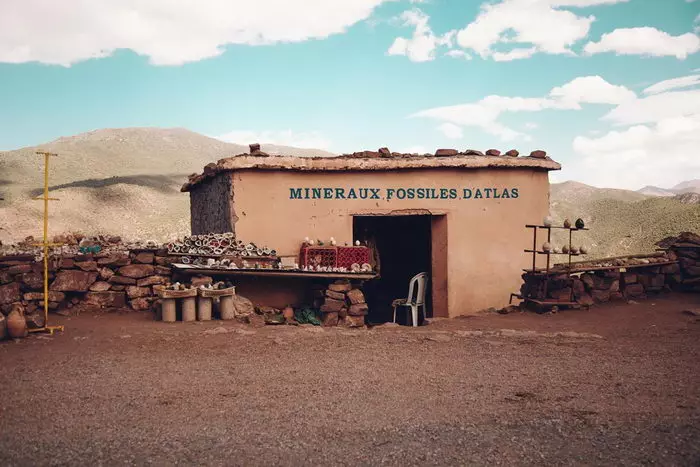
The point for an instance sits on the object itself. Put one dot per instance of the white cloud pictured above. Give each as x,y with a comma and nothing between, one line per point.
592,90
456,53
645,41
451,130
655,108
484,114
539,23
313,140
532,125
659,154
675,83
422,45
169,33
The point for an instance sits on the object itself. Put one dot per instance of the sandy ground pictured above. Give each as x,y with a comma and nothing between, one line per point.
618,385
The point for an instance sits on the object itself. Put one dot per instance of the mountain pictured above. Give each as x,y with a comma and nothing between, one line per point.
621,222
655,191
689,186
124,180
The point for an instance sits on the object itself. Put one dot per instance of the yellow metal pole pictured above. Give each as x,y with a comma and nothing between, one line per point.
45,243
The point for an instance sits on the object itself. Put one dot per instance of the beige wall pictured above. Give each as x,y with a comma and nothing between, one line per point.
486,237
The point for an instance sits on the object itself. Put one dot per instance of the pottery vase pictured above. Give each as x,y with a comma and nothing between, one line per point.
16,324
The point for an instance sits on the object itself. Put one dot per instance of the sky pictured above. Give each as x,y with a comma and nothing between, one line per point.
609,88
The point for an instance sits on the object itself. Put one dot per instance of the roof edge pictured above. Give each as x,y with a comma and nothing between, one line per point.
339,164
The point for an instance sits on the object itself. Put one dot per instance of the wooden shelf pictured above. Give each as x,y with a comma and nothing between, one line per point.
565,270
190,269
551,302
551,253
531,226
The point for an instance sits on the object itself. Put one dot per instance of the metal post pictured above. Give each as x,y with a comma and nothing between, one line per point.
45,243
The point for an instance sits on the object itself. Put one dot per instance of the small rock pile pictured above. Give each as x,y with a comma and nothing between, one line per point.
341,304
386,154
686,247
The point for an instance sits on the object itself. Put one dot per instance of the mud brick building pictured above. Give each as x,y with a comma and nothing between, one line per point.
458,216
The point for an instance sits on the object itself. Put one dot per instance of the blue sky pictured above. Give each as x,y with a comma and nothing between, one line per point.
610,88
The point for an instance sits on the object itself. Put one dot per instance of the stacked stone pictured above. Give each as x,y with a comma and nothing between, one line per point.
114,279
687,248
604,285
341,305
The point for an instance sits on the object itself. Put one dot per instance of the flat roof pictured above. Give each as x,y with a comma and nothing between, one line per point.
347,163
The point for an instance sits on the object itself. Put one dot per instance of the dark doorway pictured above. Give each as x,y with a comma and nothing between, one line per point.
404,247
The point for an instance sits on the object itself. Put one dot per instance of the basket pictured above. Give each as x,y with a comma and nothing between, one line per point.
325,256
349,255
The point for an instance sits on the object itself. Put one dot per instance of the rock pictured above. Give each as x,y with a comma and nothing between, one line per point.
331,305
355,296
32,280
600,296
140,304
578,287
614,286
360,309
196,281
538,154
255,147
136,271
689,311
512,153
122,280
162,270
658,280
133,291
106,274
87,265
152,280
165,260
446,152
588,281
633,290
329,319
100,286
493,152
19,269
629,278
73,281
343,313
354,321
3,327
66,263
384,152
5,278
242,306
340,287
585,300
616,296
35,320
114,260
144,258
9,293
53,296
335,295
109,299
509,309
671,269
693,270
473,152
118,287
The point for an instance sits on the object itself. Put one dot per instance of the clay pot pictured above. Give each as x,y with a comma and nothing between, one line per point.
565,249
288,313
547,247
567,223
583,250
16,324
547,222
579,223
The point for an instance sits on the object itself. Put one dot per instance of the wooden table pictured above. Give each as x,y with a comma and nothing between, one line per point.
191,270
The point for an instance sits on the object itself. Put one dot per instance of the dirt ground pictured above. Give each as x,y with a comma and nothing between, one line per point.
613,385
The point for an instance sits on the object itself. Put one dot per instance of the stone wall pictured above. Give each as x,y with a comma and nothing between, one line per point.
115,279
341,304
210,206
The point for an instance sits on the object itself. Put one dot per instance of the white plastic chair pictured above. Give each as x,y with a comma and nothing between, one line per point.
416,287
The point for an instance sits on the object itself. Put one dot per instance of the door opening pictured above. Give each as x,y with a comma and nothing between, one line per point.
404,246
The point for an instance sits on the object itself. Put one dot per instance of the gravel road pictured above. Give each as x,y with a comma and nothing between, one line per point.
615,385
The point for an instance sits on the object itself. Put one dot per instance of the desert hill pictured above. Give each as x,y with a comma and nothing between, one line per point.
689,186
112,180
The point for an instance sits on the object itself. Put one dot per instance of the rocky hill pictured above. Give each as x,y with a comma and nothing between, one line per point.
124,180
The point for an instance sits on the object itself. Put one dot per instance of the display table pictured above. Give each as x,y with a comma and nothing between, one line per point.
190,269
